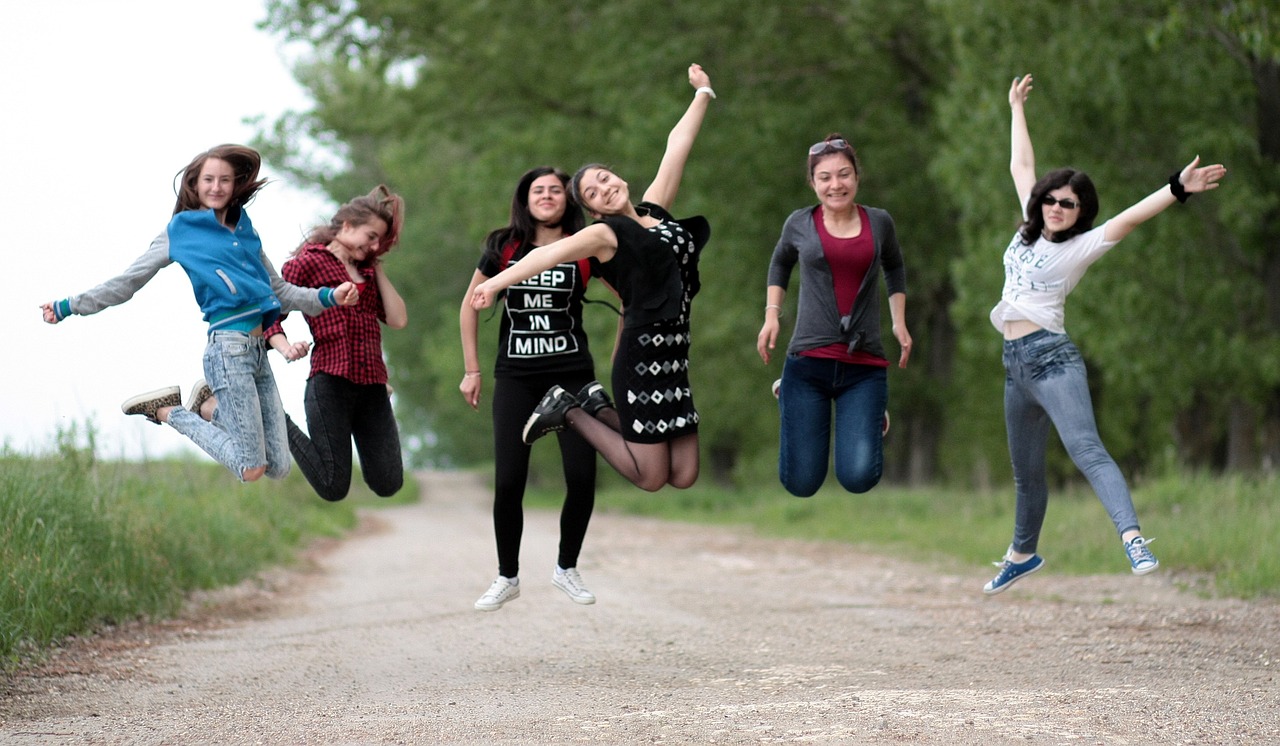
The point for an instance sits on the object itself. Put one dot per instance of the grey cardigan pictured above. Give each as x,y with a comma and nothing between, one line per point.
817,317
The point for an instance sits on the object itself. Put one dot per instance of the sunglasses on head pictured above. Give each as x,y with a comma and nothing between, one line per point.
1066,204
819,148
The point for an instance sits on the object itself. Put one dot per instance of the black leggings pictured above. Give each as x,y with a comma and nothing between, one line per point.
513,402
337,411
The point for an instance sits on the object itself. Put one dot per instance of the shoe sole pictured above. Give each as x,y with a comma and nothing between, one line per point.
197,400
499,605
1147,570
529,423
169,396
1020,576
573,598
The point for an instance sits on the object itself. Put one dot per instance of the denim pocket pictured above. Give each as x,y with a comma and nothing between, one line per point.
1052,356
235,349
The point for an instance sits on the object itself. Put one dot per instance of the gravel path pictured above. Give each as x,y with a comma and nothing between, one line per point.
701,635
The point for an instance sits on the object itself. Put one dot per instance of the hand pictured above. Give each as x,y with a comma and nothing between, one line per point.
1196,178
296,351
346,294
470,388
1020,90
904,341
698,77
767,339
50,317
482,297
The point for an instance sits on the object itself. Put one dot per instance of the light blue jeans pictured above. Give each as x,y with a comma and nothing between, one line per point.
248,428
810,386
1046,384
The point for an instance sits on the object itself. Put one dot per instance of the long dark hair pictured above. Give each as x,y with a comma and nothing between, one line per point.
245,161
380,203
521,227
1033,228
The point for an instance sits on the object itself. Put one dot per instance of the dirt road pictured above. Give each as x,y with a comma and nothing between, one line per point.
700,636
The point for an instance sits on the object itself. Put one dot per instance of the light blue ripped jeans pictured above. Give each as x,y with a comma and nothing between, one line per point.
248,428
1045,383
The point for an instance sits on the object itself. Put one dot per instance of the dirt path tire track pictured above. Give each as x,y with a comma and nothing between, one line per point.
701,635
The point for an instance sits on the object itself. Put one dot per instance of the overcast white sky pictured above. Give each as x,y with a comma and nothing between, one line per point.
103,102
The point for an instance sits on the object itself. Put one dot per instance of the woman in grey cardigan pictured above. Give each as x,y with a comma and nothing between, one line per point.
835,355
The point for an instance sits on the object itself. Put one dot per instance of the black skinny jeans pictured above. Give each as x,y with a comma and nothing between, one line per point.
513,402
338,411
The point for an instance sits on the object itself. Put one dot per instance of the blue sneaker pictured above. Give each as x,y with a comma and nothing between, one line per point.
1010,572
1141,560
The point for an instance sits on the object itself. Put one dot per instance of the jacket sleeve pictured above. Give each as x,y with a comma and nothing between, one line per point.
121,288
785,254
294,297
891,262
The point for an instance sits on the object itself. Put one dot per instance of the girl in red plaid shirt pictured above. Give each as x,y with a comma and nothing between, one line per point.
347,396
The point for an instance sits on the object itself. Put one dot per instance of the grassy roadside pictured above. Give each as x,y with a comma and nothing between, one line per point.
85,543
1220,532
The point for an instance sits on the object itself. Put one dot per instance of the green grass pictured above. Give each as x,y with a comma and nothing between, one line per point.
85,543
1223,529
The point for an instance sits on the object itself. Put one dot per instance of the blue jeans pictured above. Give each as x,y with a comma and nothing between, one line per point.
809,387
1045,383
248,427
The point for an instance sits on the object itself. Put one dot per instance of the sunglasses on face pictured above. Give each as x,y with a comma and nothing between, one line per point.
819,148
1066,204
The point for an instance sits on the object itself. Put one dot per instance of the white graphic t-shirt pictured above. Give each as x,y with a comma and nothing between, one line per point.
1039,276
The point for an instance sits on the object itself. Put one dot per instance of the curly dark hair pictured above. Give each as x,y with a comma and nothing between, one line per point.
1033,227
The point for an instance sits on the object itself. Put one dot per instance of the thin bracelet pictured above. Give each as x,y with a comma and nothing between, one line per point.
471,374
774,305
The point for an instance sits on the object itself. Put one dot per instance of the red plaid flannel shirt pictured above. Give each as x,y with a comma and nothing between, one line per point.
347,339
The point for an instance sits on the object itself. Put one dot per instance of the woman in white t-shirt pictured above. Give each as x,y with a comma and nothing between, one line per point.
1045,382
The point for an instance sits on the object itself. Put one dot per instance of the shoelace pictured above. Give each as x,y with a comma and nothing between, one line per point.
1138,552
573,580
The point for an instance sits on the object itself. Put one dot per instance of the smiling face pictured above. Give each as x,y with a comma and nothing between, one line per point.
603,193
215,185
547,199
835,181
361,241
1058,218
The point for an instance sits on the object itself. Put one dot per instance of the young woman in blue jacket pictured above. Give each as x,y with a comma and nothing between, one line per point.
239,292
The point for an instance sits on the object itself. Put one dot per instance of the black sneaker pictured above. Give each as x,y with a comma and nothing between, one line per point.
593,398
548,416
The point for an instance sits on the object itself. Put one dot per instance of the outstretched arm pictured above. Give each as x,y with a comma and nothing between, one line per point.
1194,179
596,240
680,142
1022,158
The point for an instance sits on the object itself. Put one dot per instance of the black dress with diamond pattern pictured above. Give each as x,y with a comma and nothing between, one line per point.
655,270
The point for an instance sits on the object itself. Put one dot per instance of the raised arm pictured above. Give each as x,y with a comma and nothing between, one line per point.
680,142
1022,158
392,303
596,240
1193,179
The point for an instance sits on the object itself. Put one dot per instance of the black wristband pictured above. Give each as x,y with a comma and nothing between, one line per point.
1175,186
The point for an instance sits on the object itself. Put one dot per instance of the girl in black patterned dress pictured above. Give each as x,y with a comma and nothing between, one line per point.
651,259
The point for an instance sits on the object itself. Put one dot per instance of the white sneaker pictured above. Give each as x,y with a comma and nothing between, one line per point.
502,591
570,582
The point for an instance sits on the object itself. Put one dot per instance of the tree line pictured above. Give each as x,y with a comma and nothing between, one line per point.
1180,325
